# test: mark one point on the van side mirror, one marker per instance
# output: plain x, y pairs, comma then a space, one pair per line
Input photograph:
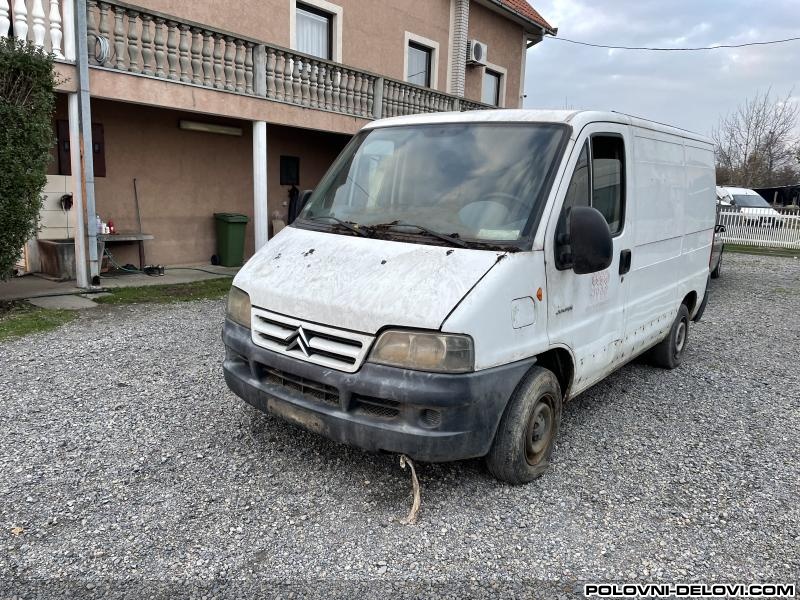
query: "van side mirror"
590, 239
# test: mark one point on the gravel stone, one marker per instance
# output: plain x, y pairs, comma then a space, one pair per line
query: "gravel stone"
128, 470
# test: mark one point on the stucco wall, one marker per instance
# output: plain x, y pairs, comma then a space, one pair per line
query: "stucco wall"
184, 177
504, 39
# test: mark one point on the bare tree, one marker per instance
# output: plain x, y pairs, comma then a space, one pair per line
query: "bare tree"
756, 145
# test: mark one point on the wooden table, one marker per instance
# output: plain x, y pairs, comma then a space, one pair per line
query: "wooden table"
127, 237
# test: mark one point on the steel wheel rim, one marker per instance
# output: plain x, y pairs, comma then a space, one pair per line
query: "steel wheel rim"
539, 432
680, 337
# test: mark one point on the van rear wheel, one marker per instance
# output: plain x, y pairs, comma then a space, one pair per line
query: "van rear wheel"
669, 353
527, 432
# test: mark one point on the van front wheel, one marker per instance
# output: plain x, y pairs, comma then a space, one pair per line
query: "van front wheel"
526, 435
669, 353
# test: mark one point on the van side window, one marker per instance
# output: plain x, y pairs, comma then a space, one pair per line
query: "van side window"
577, 195
598, 181
608, 176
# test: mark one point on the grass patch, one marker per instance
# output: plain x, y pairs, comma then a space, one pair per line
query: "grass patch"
761, 250
19, 318
207, 289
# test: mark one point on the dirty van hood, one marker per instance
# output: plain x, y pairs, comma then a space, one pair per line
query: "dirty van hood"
358, 283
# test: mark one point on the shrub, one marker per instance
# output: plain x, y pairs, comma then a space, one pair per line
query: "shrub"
27, 102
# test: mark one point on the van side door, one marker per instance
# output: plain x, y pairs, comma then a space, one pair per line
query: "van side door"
586, 313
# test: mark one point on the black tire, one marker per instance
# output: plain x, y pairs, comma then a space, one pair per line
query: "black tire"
718, 269
669, 353
526, 435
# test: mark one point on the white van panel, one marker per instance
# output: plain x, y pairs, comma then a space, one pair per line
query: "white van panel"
701, 176
674, 195
487, 313
659, 188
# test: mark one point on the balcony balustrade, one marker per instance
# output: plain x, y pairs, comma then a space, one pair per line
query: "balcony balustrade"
41, 22
132, 39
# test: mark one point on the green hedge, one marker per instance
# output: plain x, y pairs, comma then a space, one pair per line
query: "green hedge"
27, 101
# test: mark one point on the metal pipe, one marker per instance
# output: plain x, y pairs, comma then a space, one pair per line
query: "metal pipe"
81, 273
86, 171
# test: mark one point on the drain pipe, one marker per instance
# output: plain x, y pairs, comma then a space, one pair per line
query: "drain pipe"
85, 173
458, 68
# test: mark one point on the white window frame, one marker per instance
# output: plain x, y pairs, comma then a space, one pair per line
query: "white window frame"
503, 72
434, 48
336, 13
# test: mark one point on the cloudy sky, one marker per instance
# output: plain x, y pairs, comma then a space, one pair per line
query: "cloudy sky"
687, 89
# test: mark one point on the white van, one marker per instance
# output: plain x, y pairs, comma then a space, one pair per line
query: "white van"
754, 209
455, 278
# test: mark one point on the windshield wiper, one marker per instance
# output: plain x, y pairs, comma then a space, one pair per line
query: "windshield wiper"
348, 225
451, 238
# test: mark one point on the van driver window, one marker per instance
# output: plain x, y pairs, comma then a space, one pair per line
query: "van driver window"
577, 195
607, 179
601, 186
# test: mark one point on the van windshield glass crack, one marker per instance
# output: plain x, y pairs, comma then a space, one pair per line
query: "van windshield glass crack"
467, 182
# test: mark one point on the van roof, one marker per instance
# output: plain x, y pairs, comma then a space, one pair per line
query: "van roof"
576, 118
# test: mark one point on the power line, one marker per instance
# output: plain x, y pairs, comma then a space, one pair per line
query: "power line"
561, 39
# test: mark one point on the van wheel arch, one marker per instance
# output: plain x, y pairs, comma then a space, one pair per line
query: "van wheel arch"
560, 362
690, 302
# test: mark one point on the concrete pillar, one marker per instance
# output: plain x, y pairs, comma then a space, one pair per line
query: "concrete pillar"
260, 209
78, 203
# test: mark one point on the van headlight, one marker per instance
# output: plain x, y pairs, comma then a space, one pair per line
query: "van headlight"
239, 307
423, 351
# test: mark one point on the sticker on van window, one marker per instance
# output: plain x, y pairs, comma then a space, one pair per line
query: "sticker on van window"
600, 285
500, 235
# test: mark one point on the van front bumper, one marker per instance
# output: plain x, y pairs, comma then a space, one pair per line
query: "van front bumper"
430, 417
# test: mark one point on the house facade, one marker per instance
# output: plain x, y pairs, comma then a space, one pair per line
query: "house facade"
204, 107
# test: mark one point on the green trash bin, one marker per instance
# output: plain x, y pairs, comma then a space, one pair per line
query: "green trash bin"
231, 228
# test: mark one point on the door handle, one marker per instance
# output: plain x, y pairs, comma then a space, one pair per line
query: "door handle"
624, 262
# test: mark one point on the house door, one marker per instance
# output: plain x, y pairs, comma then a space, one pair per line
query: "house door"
587, 312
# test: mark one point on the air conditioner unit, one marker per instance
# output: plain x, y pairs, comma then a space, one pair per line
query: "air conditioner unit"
477, 53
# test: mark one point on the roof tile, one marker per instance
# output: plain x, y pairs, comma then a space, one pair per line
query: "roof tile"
522, 8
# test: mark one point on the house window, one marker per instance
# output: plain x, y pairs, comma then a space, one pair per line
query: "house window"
314, 31
419, 64
492, 81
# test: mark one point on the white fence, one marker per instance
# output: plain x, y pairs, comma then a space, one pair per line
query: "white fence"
778, 228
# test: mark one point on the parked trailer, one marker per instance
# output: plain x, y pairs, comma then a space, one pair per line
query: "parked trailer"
455, 278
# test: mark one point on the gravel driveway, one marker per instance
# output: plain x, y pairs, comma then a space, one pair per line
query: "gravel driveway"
127, 467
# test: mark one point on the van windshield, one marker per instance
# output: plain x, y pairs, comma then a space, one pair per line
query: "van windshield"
750, 201
483, 182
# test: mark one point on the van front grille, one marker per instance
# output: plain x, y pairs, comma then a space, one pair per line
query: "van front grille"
321, 345
312, 390
376, 407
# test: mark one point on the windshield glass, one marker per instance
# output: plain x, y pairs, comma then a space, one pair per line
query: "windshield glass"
749, 201
476, 181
